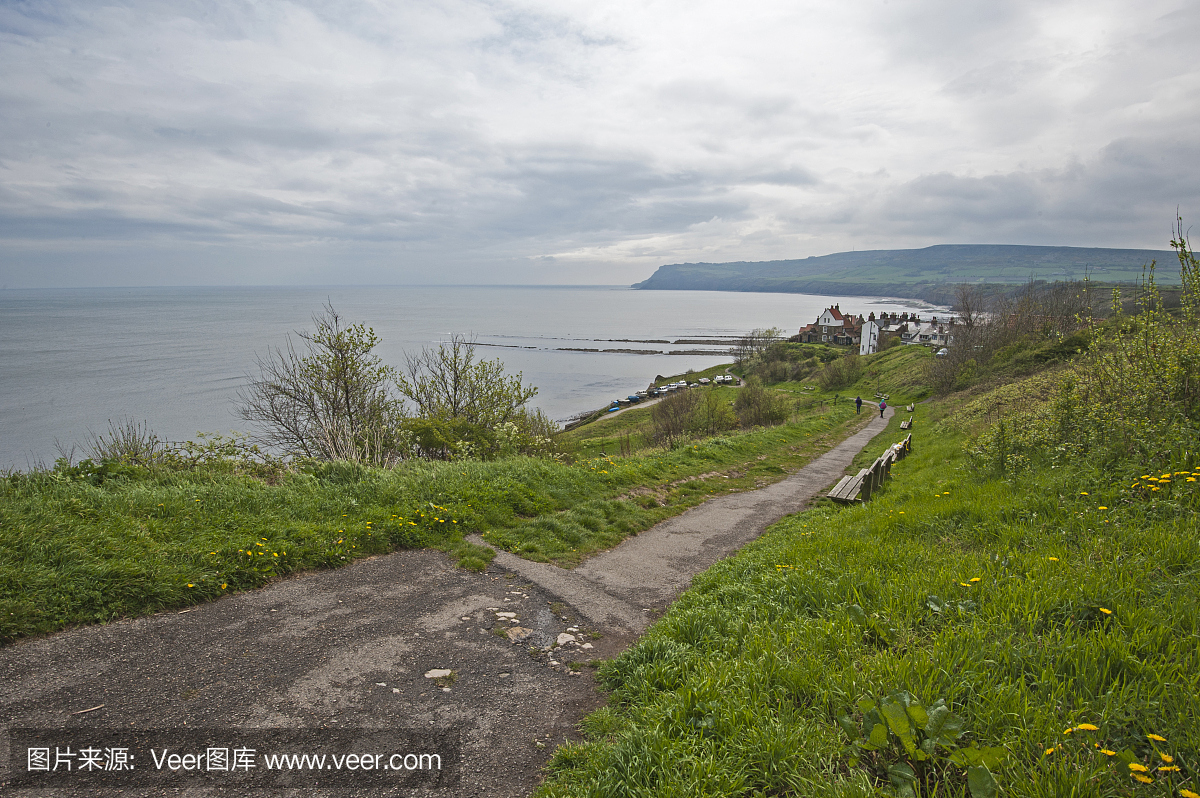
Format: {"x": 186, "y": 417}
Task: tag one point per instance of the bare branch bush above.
{"x": 329, "y": 400}
{"x": 672, "y": 416}
{"x": 128, "y": 441}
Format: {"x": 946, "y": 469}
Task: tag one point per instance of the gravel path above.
{"x": 337, "y": 661}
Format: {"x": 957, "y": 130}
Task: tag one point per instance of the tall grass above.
{"x": 1036, "y": 606}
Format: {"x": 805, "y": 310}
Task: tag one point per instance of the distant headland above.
{"x": 927, "y": 274}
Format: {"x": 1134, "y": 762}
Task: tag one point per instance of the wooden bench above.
{"x": 906, "y": 424}
{"x": 847, "y": 490}
{"x": 858, "y": 488}
{"x": 908, "y": 409}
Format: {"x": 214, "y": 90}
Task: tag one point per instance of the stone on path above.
{"x": 565, "y": 637}
{"x": 517, "y": 633}
{"x": 438, "y": 673}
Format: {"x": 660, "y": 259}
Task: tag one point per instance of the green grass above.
{"x": 1086, "y": 610}
{"x": 136, "y": 540}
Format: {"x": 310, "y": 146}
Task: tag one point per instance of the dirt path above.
{"x": 336, "y": 661}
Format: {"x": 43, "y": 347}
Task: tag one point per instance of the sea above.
{"x": 72, "y": 360}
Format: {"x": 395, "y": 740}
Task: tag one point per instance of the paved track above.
{"x": 330, "y": 652}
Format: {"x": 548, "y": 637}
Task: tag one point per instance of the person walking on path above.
{"x": 857, "y": 405}
{"x": 882, "y": 407}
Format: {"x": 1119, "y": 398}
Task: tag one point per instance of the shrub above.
{"x": 841, "y": 373}
{"x": 755, "y": 406}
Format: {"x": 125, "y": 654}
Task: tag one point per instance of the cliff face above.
{"x": 913, "y": 272}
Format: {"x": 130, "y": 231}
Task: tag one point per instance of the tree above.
{"x": 448, "y": 382}
{"x": 672, "y": 416}
{"x": 466, "y": 406}
{"x": 330, "y": 400}
{"x": 755, "y": 344}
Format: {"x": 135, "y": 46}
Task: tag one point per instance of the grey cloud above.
{"x": 486, "y": 135}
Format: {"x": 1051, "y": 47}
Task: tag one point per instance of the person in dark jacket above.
{"x": 857, "y": 405}
{"x": 882, "y": 407}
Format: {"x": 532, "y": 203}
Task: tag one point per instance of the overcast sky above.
{"x": 171, "y": 142}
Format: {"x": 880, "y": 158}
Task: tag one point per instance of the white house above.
{"x": 871, "y": 330}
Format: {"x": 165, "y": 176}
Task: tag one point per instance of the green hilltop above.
{"x": 923, "y": 273}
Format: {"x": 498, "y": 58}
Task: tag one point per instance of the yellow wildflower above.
{"x": 1188, "y": 794}
{"x": 1102, "y": 507}
{"x": 1138, "y": 766}
{"x": 1166, "y": 757}
{"x": 1143, "y": 779}
{"x": 224, "y": 585}
{"x": 1068, "y": 730}
{"x": 1107, "y": 752}
{"x": 1087, "y": 727}
{"x": 1052, "y": 559}
{"x": 1106, "y": 611}
{"x": 190, "y": 584}
{"x": 1083, "y": 493}
{"x": 1049, "y": 751}
{"x": 1156, "y": 738}
{"x": 1170, "y": 768}
{"x": 974, "y": 579}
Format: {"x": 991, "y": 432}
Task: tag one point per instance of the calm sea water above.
{"x": 71, "y": 359}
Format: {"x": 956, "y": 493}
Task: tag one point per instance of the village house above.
{"x": 832, "y": 327}
{"x": 908, "y": 327}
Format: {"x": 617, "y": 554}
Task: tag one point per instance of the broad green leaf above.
{"x": 934, "y": 603}
{"x": 879, "y": 735}
{"x": 903, "y": 780}
{"x": 980, "y": 782}
{"x": 918, "y": 714}
{"x": 897, "y": 721}
{"x": 857, "y": 615}
{"x": 848, "y": 727}
{"x": 938, "y": 715}
{"x": 992, "y": 756}
{"x": 865, "y": 705}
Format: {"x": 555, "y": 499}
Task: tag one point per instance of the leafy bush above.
{"x": 755, "y": 406}
{"x": 1134, "y": 396}
{"x": 841, "y": 373}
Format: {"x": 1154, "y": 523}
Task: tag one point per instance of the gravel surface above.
{"x": 396, "y": 654}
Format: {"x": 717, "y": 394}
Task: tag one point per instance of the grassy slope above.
{"x": 736, "y": 691}
{"x": 74, "y": 552}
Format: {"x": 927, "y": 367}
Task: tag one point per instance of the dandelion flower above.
{"x": 190, "y": 584}
{"x": 1083, "y": 493}
{"x": 1087, "y": 727}
{"x": 1068, "y": 730}
{"x": 1188, "y": 794}
{"x": 1143, "y": 779}
{"x": 1052, "y": 559}
{"x": 974, "y": 579}
{"x": 224, "y": 585}
{"x": 1138, "y": 767}
{"x": 1156, "y": 738}
{"x": 1107, "y": 752}
{"x": 1105, "y": 610}
{"x": 1166, "y": 757}
{"x": 1170, "y": 768}
{"x": 964, "y": 584}
{"x": 1102, "y": 507}
{"x": 1049, "y": 751}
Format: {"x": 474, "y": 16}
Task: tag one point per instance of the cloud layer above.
{"x": 361, "y": 141}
